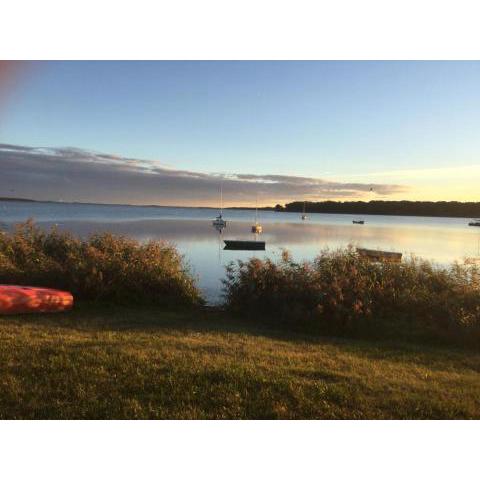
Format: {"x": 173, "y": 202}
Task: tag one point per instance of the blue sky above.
{"x": 410, "y": 123}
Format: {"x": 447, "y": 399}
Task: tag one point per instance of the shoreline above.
{"x": 265, "y": 208}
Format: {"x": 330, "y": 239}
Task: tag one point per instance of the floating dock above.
{"x": 380, "y": 255}
{"x": 244, "y": 245}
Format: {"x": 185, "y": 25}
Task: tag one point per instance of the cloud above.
{"x": 73, "y": 174}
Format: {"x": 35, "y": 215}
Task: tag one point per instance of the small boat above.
{"x": 358, "y": 222}
{"x": 244, "y": 245}
{"x": 380, "y": 255}
{"x": 304, "y": 215}
{"x": 22, "y": 299}
{"x": 219, "y": 223}
{"x": 475, "y": 223}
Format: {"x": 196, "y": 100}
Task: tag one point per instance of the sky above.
{"x": 171, "y": 132}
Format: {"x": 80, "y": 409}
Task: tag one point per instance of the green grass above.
{"x": 151, "y": 363}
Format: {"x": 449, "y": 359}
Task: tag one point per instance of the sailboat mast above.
{"x": 221, "y": 198}
{"x": 256, "y": 228}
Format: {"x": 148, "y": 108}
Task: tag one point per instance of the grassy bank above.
{"x": 152, "y": 363}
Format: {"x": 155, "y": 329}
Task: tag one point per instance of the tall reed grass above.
{"x": 341, "y": 293}
{"x": 103, "y": 267}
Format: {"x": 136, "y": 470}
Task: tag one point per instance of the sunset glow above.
{"x": 287, "y": 130}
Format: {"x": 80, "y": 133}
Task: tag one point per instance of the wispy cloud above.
{"x": 74, "y": 174}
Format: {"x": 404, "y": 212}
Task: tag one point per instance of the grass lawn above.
{"x": 123, "y": 363}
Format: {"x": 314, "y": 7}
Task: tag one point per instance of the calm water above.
{"x": 440, "y": 239}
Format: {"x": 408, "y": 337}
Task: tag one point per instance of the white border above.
{"x": 239, "y": 450}
{"x": 247, "y": 29}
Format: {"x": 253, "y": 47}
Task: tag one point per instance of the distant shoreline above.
{"x": 401, "y": 208}
{"x": 13, "y": 199}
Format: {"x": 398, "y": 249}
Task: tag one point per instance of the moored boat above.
{"x": 474, "y": 223}
{"x": 304, "y": 213}
{"x": 256, "y": 227}
{"x": 219, "y": 223}
{"x": 244, "y": 245}
{"x": 380, "y": 255}
{"x": 23, "y": 299}
{"x": 472, "y": 261}
{"x": 359, "y": 222}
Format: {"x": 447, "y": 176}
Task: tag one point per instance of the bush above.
{"x": 342, "y": 293}
{"x": 101, "y": 268}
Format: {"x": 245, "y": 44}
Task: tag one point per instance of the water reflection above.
{"x": 441, "y": 239}
{"x": 203, "y": 245}
{"x": 441, "y": 244}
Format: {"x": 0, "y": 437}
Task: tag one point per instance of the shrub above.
{"x": 101, "y": 268}
{"x": 342, "y": 293}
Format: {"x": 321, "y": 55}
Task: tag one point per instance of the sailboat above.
{"x": 304, "y": 215}
{"x": 256, "y": 228}
{"x": 219, "y": 222}
{"x": 361, "y": 221}
{"x": 248, "y": 244}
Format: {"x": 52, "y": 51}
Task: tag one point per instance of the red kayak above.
{"x": 19, "y": 299}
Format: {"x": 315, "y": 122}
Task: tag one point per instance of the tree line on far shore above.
{"x": 381, "y": 207}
